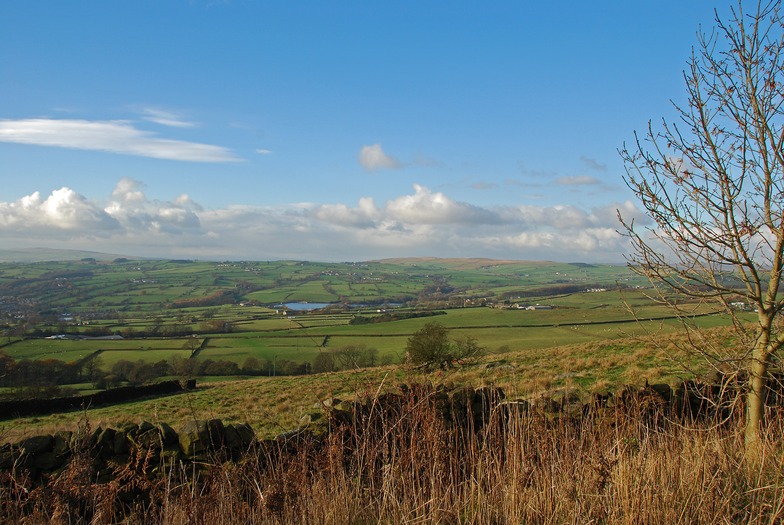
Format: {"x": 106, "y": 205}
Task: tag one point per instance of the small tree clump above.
{"x": 431, "y": 348}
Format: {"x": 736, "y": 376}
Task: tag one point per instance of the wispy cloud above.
{"x": 420, "y": 223}
{"x": 579, "y": 180}
{"x": 533, "y": 173}
{"x": 425, "y": 161}
{"x": 373, "y": 158}
{"x": 114, "y": 136}
{"x": 166, "y": 118}
{"x": 593, "y": 163}
{"x": 523, "y": 184}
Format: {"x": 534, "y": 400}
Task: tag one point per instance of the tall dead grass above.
{"x": 409, "y": 462}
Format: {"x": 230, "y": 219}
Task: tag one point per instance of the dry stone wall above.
{"x": 160, "y": 447}
{"x": 28, "y": 407}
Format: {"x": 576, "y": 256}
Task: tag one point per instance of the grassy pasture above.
{"x": 272, "y": 296}
{"x": 109, "y": 358}
{"x": 391, "y": 345}
{"x": 491, "y": 327}
{"x": 312, "y": 291}
{"x": 238, "y": 349}
{"x": 132, "y": 297}
{"x": 296, "y": 347}
{"x": 494, "y": 329}
{"x": 65, "y": 353}
{"x": 73, "y": 350}
{"x": 275, "y": 404}
{"x": 579, "y": 318}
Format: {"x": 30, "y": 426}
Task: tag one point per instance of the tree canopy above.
{"x": 430, "y": 347}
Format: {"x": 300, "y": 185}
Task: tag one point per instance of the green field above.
{"x": 194, "y": 313}
{"x": 493, "y": 328}
{"x": 50, "y": 348}
{"x": 300, "y": 338}
{"x": 203, "y": 312}
{"x": 129, "y": 286}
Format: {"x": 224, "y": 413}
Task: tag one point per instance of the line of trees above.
{"x": 45, "y": 372}
{"x": 50, "y": 377}
{"x": 349, "y": 357}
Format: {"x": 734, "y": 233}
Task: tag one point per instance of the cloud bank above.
{"x": 422, "y": 223}
{"x": 113, "y": 136}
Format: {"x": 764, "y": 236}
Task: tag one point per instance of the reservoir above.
{"x": 303, "y": 307}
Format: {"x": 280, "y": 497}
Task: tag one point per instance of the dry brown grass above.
{"x": 410, "y": 466}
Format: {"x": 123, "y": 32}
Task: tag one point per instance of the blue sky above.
{"x": 344, "y": 131}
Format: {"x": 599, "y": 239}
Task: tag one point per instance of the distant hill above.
{"x": 458, "y": 263}
{"x": 478, "y": 263}
{"x": 29, "y": 255}
{"x": 25, "y": 255}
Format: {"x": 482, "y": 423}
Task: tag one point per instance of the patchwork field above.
{"x": 542, "y": 325}
{"x": 301, "y": 337}
{"x": 234, "y": 311}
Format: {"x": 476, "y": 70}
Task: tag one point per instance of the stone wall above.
{"x": 29, "y": 407}
{"x": 469, "y": 409}
{"x": 109, "y": 448}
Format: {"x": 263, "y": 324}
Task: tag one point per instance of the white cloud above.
{"x": 629, "y": 212}
{"x": 426, "y": 207}
{"x": 373, "y": 158}
{"x": 62, "y": 211}
{"x": 166, "y": 118}
{"x": 128, "y": 218}
{"x": 365, "y": 215}
{"x": 424, "y": 223}
{"x": 129, "y": 190}
{"x": 262, "y": 151}
{"x": 115, "y": 136}
{"x": 530, "y": 240}
{"x": 131, "y": 208}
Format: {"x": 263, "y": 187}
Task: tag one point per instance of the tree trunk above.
{"x": 755, "y": 402}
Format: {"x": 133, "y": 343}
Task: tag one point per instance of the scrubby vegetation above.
{"x": 405, "y": 462}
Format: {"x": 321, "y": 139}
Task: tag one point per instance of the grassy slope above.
{"x": 274, "y": 404}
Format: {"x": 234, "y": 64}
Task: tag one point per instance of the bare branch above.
{"x": 712, "y": 184}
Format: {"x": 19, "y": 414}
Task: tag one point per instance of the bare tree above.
{"x": 712, "y": 181}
